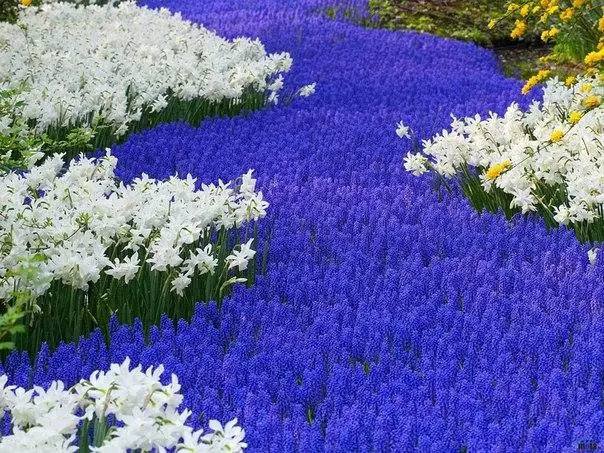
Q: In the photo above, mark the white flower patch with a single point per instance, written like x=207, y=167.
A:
x=77, y=223
x=87, y=63
x=557, y=143
x=147, y=412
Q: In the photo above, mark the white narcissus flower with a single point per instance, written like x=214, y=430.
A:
x=307, y=90
x=402, y=131
x=96, y=62
x=180, y=283
x=240, y=258
x=126, y=269
x=145, y=409
x=416, y=163
x=66, y=223
x=556, y=143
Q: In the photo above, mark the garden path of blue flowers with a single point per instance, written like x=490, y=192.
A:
x=389, y=319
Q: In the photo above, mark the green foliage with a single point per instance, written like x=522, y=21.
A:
x=459, y=19
x=16, y=309
x=466, y=20
x=21, y=146
x=11, y=321
x=9, y=9
x=572, y=25
x=579, y=36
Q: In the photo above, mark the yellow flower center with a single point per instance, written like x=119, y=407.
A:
x=556, y=136
x=574, y=117
x=495, y=170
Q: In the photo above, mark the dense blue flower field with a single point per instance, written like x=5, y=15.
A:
x=389, y=319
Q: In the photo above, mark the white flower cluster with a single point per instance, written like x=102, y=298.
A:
x=67, y=222
x=147, y=412
x=83, y=63
x=557, y=143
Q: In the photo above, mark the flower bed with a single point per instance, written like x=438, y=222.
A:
x=87, y=247
x=117, y=410
x=389, y=319
x=95, y=66
x=546, y=159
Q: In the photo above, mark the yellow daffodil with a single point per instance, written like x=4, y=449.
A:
x=585, y=87
x=591, y=71
x=567, y=14
x=593, y=58
x=591, y=102
x=519, y=29
x=534, y=80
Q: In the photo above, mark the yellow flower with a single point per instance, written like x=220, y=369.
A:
x=519, y=29
x=529, y=85
x=578, y=3
x=512, y=7
x=593, y=58
x=492, y=24
x=570, y=80
x=601, y=24
x=495, y=170
x=556, y=136
x=26, y=2
x=546, y=34
x=574, y=117
x=591, y=102
x=524, y=11
x=567, y=14
x=585, y=87
x=534, y=80
x=536, y=9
